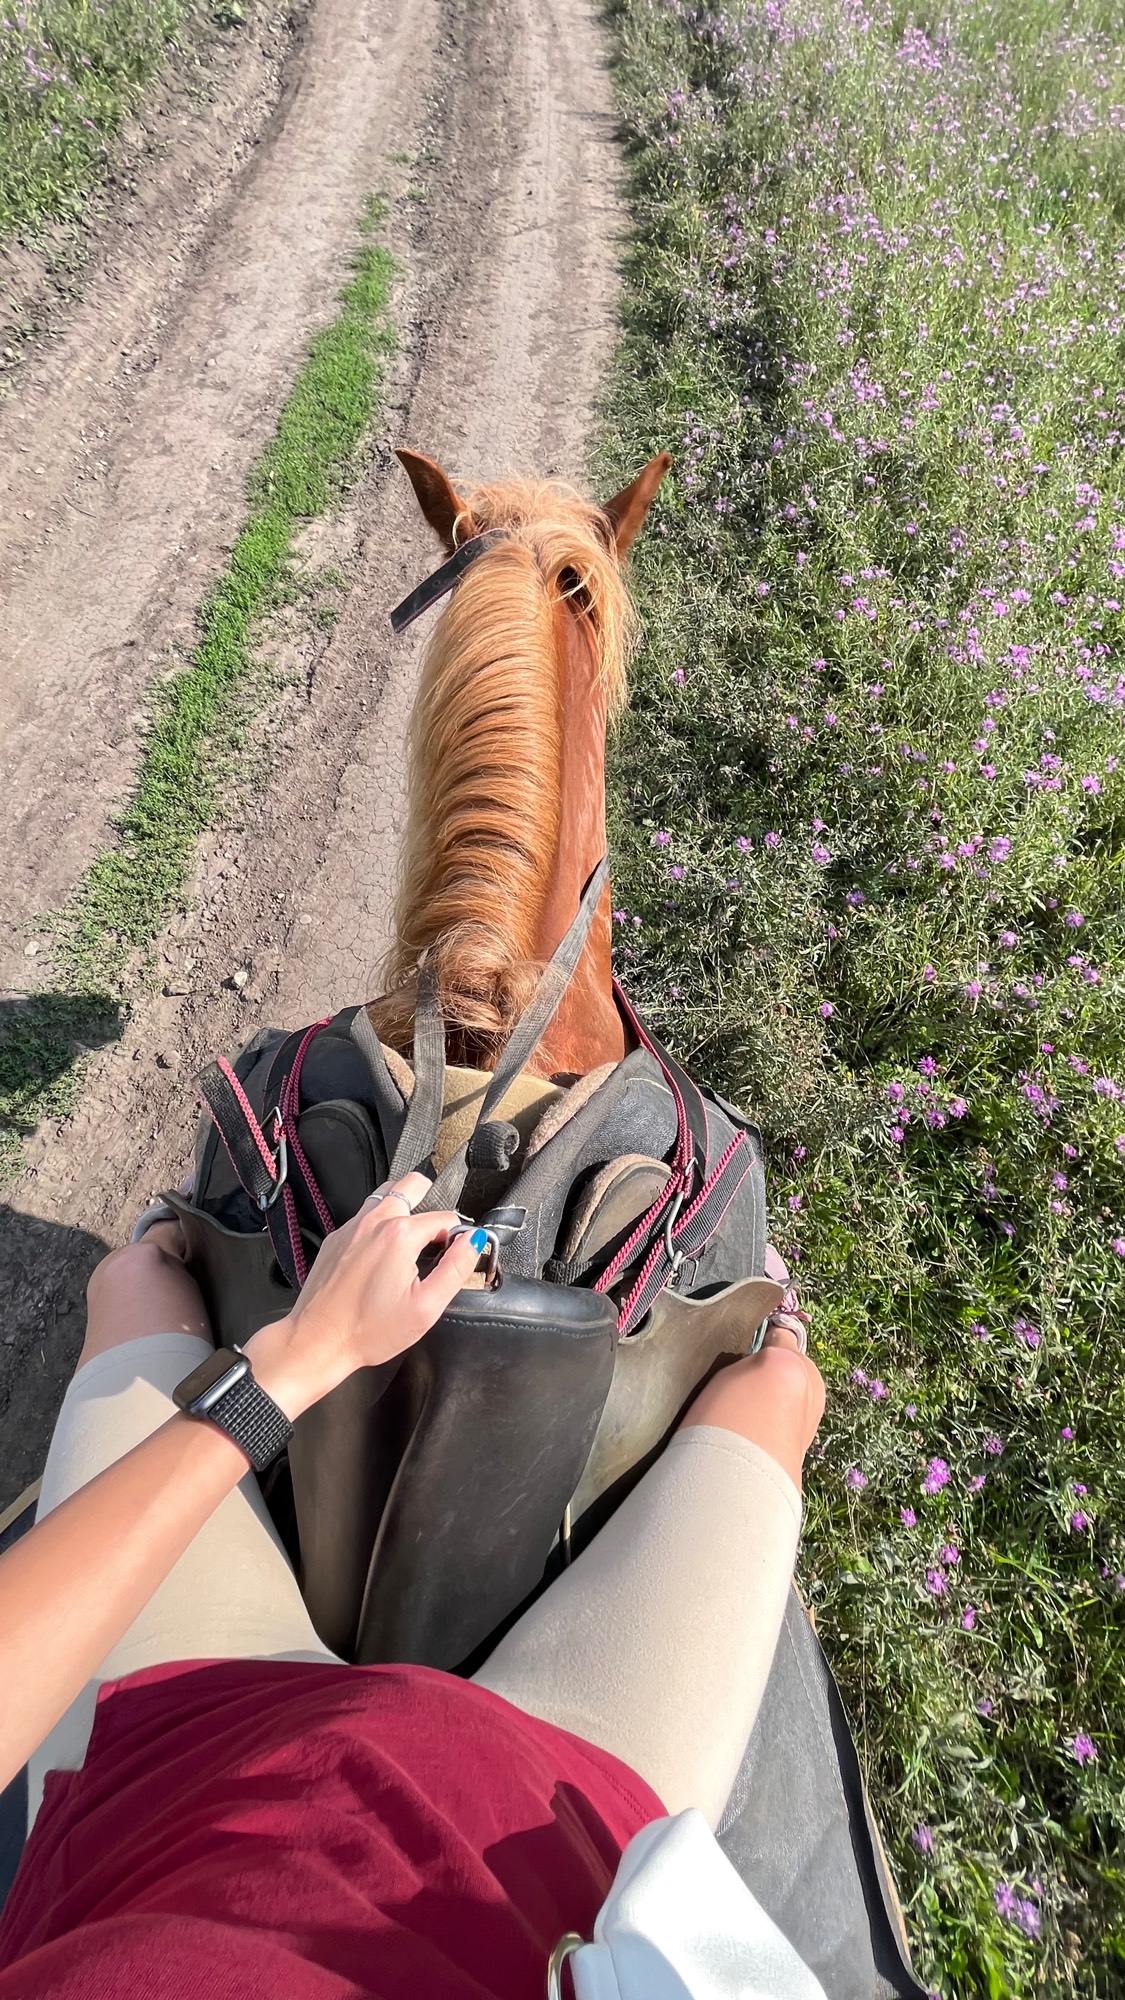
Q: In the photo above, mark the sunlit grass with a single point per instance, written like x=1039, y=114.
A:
x=69, y=74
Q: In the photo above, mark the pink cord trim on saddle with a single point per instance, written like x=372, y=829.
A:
x=658, y=1247
x=288, y=1109
x=678, y=1169
x=300, y=1261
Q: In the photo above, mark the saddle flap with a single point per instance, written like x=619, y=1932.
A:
x=498, y=1405
x=657, y=1373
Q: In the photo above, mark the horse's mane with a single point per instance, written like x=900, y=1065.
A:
x=485, y=761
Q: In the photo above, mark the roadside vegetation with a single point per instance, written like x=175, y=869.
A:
x=870, y=821
x=130, y=891
x=70, y=73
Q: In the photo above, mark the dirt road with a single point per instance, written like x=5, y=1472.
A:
x=125, y=455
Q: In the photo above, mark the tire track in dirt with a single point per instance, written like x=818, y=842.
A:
x=507, y=314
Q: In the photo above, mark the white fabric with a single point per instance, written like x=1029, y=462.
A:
x=680, y=1924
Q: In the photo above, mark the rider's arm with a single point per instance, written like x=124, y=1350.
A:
x=74, y=1584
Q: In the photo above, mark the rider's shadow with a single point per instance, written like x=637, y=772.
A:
x=44, y=1269
x=44, y=1265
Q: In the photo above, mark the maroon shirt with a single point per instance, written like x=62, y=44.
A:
x=272, y=1830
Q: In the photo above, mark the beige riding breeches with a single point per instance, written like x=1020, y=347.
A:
x=655, y=1644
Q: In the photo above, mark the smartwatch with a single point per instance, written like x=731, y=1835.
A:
x=223, y=1391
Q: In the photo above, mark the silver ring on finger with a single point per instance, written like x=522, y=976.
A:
x=389, y=1194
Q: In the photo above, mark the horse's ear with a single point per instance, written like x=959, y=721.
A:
x=438, y=498
x=627, y=510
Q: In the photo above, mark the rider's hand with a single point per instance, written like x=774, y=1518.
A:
x=363, y=1301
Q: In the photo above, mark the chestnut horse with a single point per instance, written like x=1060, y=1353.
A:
x=506, y=817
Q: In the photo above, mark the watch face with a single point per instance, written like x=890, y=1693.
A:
x=223, y=1363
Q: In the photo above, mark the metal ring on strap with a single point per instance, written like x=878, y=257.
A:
x=280, y=1163
x=565, y=1948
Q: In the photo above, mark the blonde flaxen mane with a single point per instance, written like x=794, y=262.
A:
x=485, y=759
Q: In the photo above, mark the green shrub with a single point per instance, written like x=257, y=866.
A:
x=869, y=809
x=69, y=73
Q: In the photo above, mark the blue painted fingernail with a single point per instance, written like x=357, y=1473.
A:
x=479, y=1239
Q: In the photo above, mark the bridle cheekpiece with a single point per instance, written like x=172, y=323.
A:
x=442, y=580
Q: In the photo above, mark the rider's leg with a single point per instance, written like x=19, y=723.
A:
x=657, y=1642
x=142, y=1286
x=232, y=1595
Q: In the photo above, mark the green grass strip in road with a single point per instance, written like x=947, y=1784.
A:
x=131, y=889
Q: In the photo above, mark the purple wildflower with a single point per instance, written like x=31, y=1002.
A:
x=1083, y=1749
x=1018, y=1910
x=937, y=1476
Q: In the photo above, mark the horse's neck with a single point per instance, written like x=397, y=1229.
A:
x=586, y=1031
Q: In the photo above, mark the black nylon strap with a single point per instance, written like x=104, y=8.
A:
x=441, y=581
x=387, y=1092
x=230, y=1119
x=418, y=1137
x=263, y=1187
x=525, y=1036
x=275, y=1217
x=693, y=1234
x=694, y=1103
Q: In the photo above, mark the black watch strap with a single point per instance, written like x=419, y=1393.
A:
x=253, y=1420
x=223, y=1391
